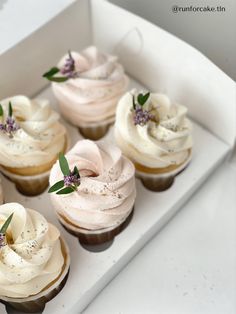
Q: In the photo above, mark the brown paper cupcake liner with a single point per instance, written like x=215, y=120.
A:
x=28, y=185
x=37, y=303
x=31, y=185
x=97, y=237
x=95, y=131
x=159, y=182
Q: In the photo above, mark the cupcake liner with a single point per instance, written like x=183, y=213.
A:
x=30, y=185
x=91, y=130
x=37, y=302
x=96, y=237
x=161, y=181
x=95, y=132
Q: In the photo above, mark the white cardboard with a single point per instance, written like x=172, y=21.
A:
x=90, y=272
x=164, y=63
x=23, y=65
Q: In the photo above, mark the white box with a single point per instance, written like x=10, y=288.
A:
x=157, y=60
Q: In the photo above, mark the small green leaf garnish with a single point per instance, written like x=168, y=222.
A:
x=71, y=179
x=1, y=111
x=50, y=75
x=10, y=110
x=76, y=172
x=66, y=190
x=64, y=165
x=6, y=224
x=56, y=186
x=51, y=72
x=142, y=98
x=134, y=105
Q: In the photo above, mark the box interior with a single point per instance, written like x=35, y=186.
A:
x=187, y=78
x=90, y=271
x=158, y=60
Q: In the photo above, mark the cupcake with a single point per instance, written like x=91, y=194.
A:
x=93, y=191
x=1, y=193
x=88, y=86
x=31, y=138
x=33, y=257
x=156, y=135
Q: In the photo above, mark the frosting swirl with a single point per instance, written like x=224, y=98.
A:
x=156, y=144
x=92, y=96
x=106, y=193
x=32, y=258
x=40, y=136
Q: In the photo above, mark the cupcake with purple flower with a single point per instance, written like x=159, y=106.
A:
x=31, y=138
x=156, y=135
x=88, y=86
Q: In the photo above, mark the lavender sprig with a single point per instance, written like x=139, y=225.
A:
x=3, y=230
x=69, y=67
x=10, y=126
x=141, y=115
x=71, y=179
x=68, y=71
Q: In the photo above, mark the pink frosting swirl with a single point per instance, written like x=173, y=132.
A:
x=107, y=192
x=93, y=96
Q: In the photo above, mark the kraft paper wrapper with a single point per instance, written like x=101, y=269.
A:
x=96, y=131
x=158, y=182
x=35, y=184
x=36, y=303
x=95, y=237
x=90, y=130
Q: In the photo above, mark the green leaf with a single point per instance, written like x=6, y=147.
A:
x=51, y=72
x=6, y=224
x=66, y=190
x=50, y=75
x=70, y=55
x=142, y=98
x=64, y=165
x=76, y=171
x=1, y=111
x=58, y=79
x=10, y=110
x=58, y=185
x=134, y=105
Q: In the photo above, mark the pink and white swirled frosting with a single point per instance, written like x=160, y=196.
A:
x=107, y=192
x=92, y=96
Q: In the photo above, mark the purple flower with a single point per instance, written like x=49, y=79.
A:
x=72, y=179
x=9, y=127
x=2, y=240
x=69, y=67
x=141, y=116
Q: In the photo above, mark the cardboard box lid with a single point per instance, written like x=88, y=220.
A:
x=164, y=63
x=152, y=56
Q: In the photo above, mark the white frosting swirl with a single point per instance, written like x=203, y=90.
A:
x=93, y=96
x=106, y=194
x=33, y=258
x=40, y=136
x=154, y=145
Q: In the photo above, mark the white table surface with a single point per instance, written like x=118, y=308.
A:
x=189, y=267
